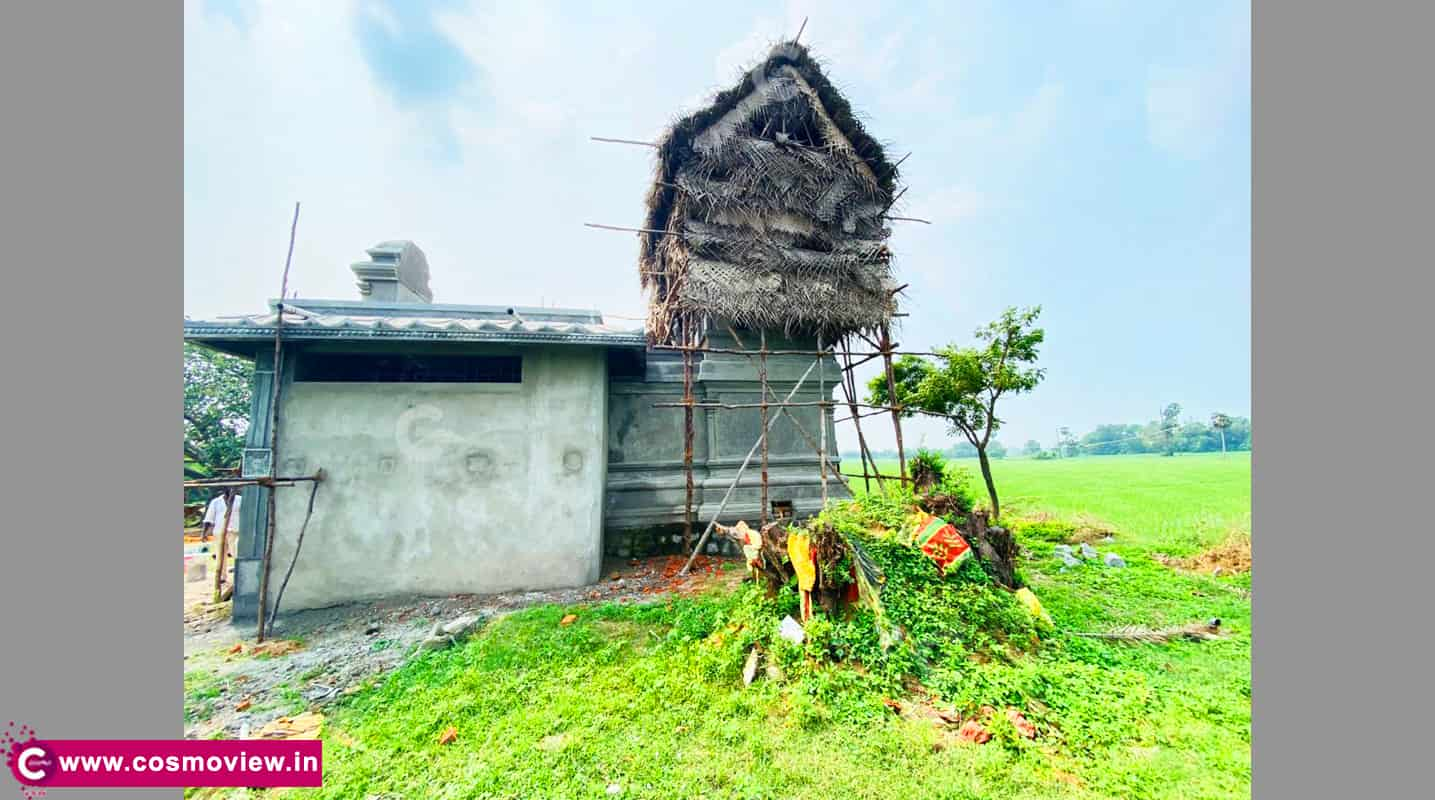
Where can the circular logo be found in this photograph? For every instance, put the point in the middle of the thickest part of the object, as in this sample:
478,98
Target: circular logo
34,763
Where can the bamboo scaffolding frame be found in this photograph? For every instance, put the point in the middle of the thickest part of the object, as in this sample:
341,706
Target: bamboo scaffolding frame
883,347
762,410
821,423
886,341
849,389
782,408
737,478
810,353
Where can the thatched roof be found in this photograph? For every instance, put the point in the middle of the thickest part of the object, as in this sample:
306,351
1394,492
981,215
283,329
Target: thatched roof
770,204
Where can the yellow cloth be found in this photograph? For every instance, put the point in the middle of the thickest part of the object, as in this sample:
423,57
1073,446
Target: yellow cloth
800,551
1033,605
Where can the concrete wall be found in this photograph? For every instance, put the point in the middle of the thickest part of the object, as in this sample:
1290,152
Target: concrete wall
438,488
646,482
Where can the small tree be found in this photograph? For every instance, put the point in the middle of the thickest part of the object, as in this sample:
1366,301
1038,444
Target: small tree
216,408
1169,422
968,383
1065,442
1221,422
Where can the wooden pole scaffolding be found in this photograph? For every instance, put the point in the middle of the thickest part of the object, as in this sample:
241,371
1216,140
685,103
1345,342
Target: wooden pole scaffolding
688,440
762,403
782,409
849,388
274,427
886,348
738,477
822,421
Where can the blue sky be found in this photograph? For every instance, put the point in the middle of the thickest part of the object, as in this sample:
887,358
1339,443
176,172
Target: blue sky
1091,157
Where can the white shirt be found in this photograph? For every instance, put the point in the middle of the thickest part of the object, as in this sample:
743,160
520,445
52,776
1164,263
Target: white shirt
214,514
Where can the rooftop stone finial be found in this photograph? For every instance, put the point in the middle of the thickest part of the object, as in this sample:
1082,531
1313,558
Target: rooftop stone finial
396,272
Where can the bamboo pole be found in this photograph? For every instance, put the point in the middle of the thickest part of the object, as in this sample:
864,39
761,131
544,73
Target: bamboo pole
849,388
688,443
782,408
892,398
821,423
736,479
877,352
298,544
762,410
626,230
274,396
653,145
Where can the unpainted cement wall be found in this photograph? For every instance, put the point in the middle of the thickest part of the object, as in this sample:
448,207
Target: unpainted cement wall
439,488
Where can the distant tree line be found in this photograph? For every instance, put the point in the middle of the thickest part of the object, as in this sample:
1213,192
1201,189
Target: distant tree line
959,450
1166,435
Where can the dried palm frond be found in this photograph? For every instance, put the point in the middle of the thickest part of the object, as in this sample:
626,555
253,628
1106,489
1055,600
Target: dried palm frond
869,590
767,208
1140,634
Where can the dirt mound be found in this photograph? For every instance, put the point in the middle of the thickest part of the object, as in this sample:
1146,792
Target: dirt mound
1233,556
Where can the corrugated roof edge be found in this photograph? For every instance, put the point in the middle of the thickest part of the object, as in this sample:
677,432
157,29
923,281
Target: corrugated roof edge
588,316
416,329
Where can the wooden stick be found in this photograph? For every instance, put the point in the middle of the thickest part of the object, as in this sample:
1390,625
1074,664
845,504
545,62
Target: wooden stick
274,395
800,30
653,145
912,219
220,483
849,388
762,411
824,466
895,198
628,230
892,398
735,480
313,492
732,406
821,424
688,444
861,415
877,351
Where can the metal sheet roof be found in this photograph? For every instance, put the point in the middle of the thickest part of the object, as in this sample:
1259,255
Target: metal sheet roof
304,324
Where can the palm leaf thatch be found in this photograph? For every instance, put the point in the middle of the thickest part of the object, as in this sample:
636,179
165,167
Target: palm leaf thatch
1140,634
767,210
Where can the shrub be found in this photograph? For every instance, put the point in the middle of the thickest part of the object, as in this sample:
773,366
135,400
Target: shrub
927,469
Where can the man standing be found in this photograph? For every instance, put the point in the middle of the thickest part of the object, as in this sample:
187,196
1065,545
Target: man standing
214,515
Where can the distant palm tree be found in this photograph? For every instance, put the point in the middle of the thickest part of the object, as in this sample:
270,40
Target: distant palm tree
1221,422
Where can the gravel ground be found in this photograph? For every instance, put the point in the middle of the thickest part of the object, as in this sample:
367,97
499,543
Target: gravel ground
342,646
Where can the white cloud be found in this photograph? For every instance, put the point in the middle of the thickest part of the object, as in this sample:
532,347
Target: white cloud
1183,106
380,13
1188,106
289,110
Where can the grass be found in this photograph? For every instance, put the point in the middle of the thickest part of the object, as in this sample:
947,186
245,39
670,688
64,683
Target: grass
640,697
1179,504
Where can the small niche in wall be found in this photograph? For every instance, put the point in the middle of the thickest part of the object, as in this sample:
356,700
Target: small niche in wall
782,509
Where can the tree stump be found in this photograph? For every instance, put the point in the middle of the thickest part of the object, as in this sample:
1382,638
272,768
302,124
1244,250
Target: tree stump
995,546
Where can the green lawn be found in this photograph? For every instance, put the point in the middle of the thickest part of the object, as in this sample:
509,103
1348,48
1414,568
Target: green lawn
640,699
1176,504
